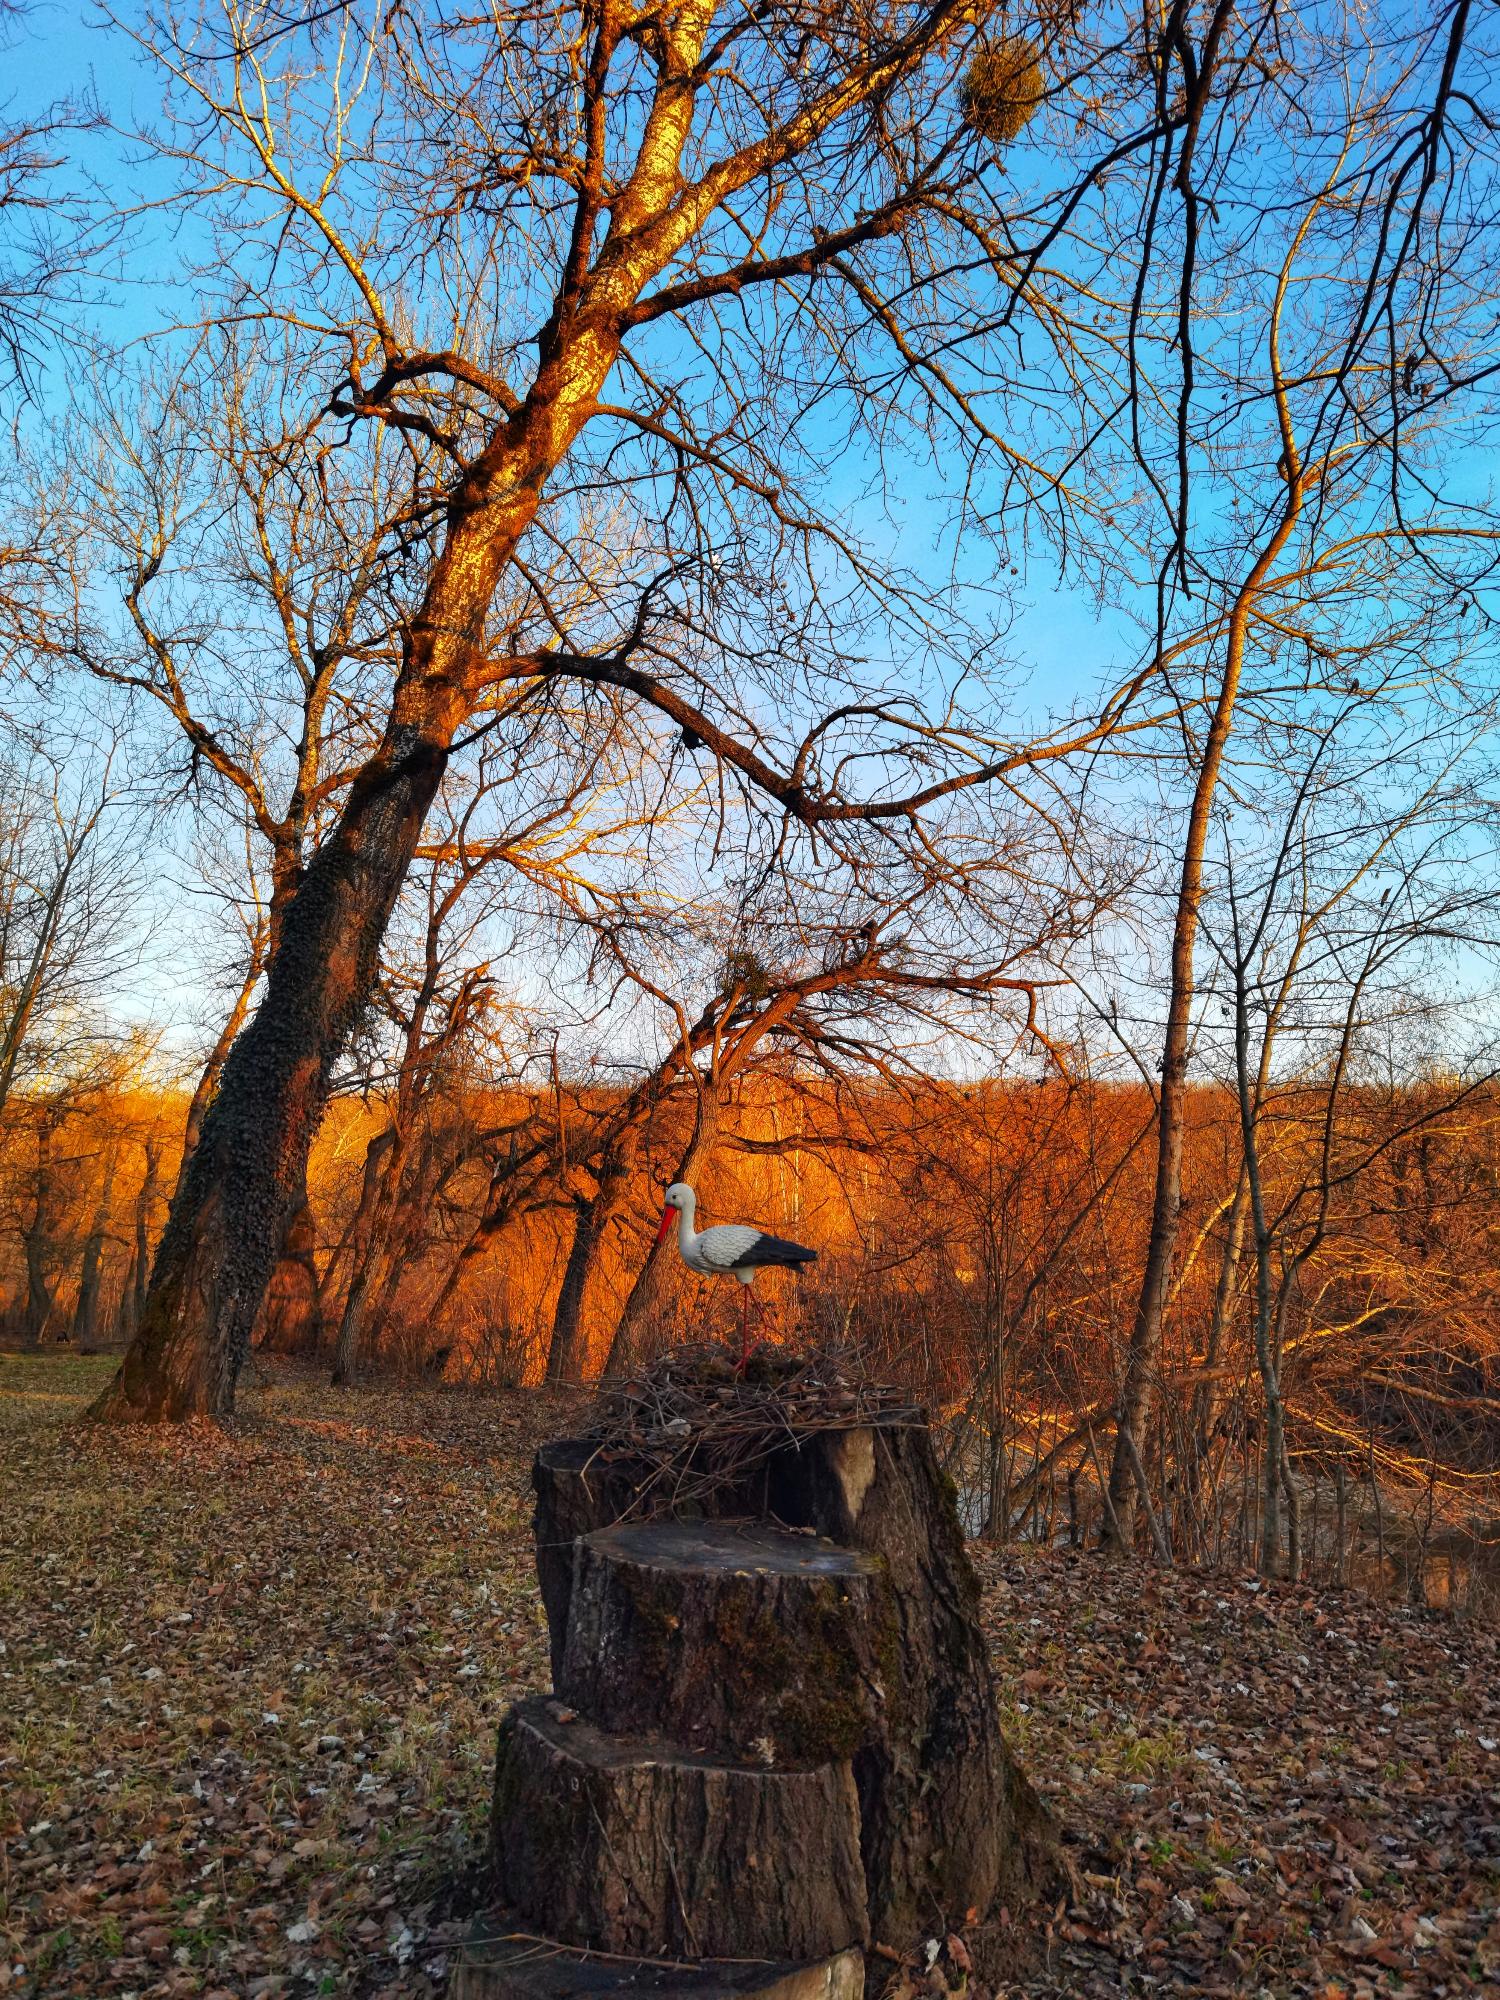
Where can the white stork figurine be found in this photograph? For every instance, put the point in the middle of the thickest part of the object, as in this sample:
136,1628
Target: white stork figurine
732,1250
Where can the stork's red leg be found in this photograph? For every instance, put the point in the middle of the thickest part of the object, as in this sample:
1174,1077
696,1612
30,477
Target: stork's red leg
744,1326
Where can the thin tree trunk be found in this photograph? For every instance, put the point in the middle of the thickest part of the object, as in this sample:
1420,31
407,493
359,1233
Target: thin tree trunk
86,1315
394,1259
352,1320
356,1237
567,1351
292,1320
145,1201
643,1292
1138,1390
36,1237
377,1200
125,1310
1294,1555
1210,1397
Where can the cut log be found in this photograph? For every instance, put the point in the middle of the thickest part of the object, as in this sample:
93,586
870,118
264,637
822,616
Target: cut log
730,1637
634,1845
497,1965
949,1821
579,1487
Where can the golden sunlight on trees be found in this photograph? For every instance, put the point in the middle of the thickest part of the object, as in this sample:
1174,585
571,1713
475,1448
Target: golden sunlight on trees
884,609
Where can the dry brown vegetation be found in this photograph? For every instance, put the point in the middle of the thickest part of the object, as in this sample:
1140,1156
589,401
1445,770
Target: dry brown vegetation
983,1244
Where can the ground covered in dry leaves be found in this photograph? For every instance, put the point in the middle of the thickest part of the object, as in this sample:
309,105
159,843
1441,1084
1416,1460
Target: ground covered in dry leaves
248,1688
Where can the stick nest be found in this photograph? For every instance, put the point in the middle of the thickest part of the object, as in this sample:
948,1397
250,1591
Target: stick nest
698,1429
1001,88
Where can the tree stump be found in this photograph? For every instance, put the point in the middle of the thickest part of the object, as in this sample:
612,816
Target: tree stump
774,1738
578,1487
640,1846
948,1819
730,1636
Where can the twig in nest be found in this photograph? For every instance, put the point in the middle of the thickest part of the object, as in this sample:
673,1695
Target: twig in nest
696,1426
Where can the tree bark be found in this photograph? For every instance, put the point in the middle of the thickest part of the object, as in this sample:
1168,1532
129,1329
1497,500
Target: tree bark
86,1314
729,1638
633,1845
949,1820
292,1318
643,1293
208,1078
579,1487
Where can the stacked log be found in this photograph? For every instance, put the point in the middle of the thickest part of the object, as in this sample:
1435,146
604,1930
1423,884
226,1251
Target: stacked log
690,1790
773,1739
948,1820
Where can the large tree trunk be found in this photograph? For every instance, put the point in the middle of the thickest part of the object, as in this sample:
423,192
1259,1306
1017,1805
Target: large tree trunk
224,1231
36,1315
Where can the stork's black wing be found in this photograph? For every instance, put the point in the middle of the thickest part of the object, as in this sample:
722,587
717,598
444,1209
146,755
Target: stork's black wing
777,1250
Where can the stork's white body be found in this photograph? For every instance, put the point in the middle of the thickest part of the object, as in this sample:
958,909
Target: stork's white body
719,1252
731,1249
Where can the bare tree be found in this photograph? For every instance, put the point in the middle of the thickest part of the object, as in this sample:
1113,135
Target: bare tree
44,230
1337,495
643,191
69,928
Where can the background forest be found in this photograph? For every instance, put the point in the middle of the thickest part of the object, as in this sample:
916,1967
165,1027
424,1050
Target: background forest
886,609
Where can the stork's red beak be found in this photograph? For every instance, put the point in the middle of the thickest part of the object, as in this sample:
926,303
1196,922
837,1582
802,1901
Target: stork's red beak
666,1222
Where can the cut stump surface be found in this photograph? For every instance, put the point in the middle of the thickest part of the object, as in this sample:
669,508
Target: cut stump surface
501,1966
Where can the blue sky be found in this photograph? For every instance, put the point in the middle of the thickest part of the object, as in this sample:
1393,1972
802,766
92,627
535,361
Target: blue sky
1070,649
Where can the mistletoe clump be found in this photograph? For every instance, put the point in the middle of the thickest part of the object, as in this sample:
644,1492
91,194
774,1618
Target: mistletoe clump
1001,88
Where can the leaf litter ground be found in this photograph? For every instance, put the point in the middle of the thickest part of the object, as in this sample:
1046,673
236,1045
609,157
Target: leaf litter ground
250,1681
